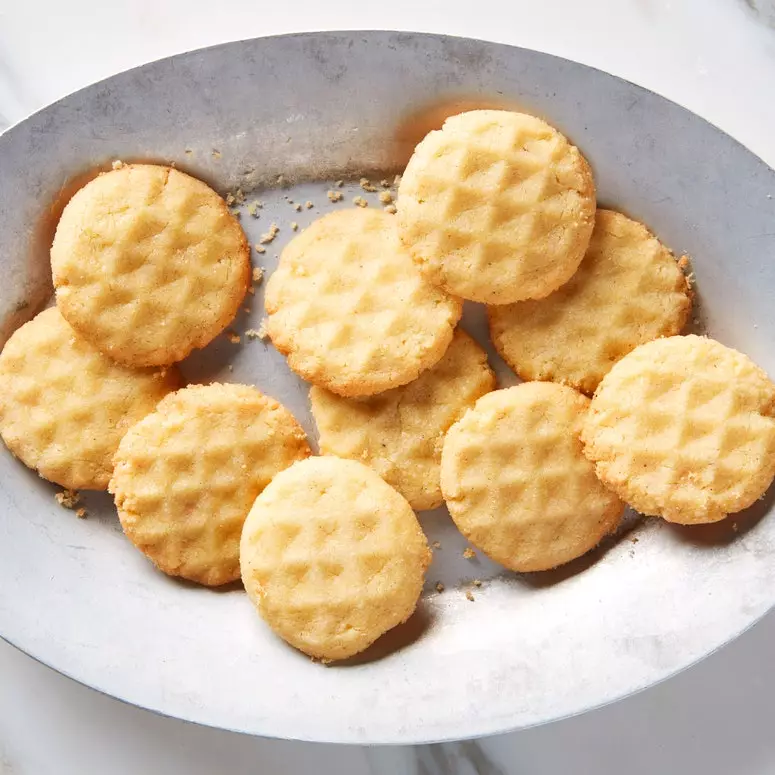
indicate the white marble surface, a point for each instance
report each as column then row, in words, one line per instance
column 716, row 57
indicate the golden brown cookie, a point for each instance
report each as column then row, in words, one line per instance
column 400, row 432
column 187, row 475
column 516, row 482
column 496, row 207
column 350, row 310
column 332, row 557
column 64, row 406
column 627, row 291
column 684, row 428
column 149, row 264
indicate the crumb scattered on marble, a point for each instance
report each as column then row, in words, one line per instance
column 258, row 274
column 246, row 310
column 236, row 197
column 263, row 334
column 294, row 226
column 260, row 248
column 477, row 582
column 253, row 208
column 634, row 539
column 385, row 197
column 683, row 262
column 81, row 513
column 470, row 595
column 235, row 212
column 359, row 201
column 308, row 205
column 367, row 185
column 268, row 236
column 297, row 207
column 233, row 337
column 338, row 183
column 385, row 183
column 117, row 164
column 436, row 544
column 335, row 196
column 188, row 152
column 280, row 180
column 251, row 290
column 68, row 499
column 216, row 154
column 439, row 586
column 469, row 553
column 390, row 209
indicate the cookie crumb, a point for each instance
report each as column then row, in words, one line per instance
column 280, row 180
column 338, row 183
column 254, row 207
column 236, row 197
column 359, row 201
column 366, row 185
column 233, row 337
column 260, row 248
column 439, row 586
column 188, row 152
column 297, row 207
column 246, row 310
column 308, row 205
column 68, row 499
column 216, row 154
column 258, row 274
column 385, row 183
column 470, row 595
column 268, row 236
column 390, row 209
column 436, row 544
column 251, row 290
column 469, row 553
column 80, row 513
column 477, row 582
column 335, row 196
column 294, row 226
column 385, row 197
column 117, row 164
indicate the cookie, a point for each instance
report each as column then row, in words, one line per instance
column 64, row 406
column 187, row 475
column 496, row 207
column 516, row 482
column 148, row 264
column 332, row 557
column 684, row 428
column 399, row 433
column 351, row 311
column 627, row 291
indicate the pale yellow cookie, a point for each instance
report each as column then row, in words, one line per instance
column 627, row 291
column 400, row 432
column 149, row 264
column 684, row 428
column 350, row 310
column 516, row 482
column 64, row 406
column 187, row 475
column 496, row 207
column 332, row 557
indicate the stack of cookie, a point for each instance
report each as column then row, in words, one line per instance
column 216, row 482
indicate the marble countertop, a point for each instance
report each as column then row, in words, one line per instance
column 716, row 57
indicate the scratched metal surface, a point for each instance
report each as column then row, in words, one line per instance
column 529, row 649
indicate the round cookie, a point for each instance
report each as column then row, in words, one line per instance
column 400, row 432
column 496, row 207
column 64, row 406
column 516, row 482
column 332, row 557
column 186, row 476
column 684, row 428
column 627, row 291
column 149, row 264
column 351, row 311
